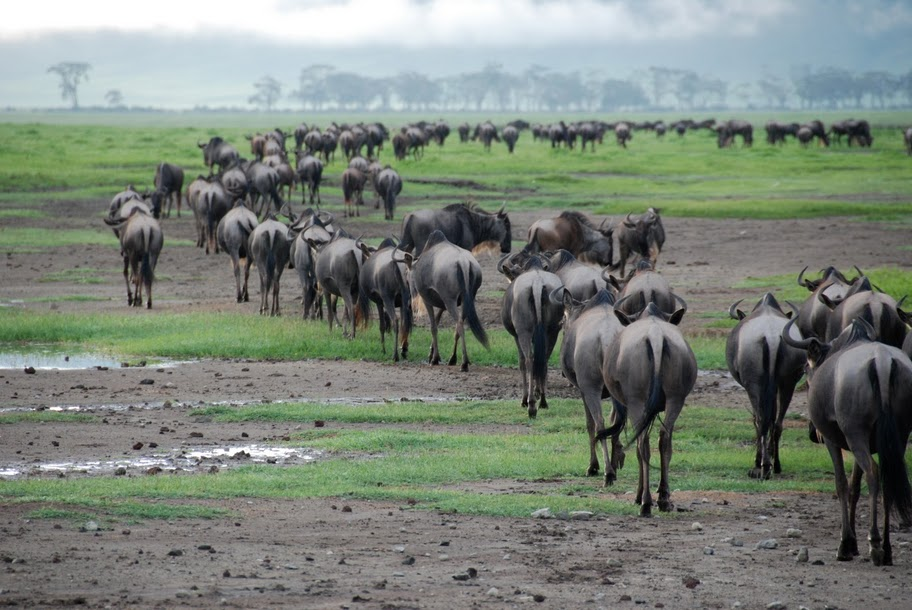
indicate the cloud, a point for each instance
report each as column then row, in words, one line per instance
column 408, row 23
column 877, row 17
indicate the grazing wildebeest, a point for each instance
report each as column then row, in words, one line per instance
column 462, row 224
column 400, row 146
column 814, row 313
column 384, row 281
column 573, row 232
column 649, row 369
column 268, row 246
column 487, row 133
column 310, row 173
column 727, row 131
column 263, row 187
column 375, row 135
column 389, row 185
column 328, row 145
column 768, row 369
column 440, row 130
column 141, row 241
column 338, row 269
column 643, row 235
column 168, row 181
column 510, row 135
column 623, row 133
column 212, row 205
column 860, row 400
column 218, row 152
column 310, row 228
column 464, row 131
column 233, row 231
column 880, row 310
column 580, row 280
column 353, row 181
column 257, row 143
column 299, row 133
column 533, row 318
column 590, row 326
column 644, row 286
column 818, row 131
column 907, row 137
column 447, row 277
column 776, row 132
column 128, row 194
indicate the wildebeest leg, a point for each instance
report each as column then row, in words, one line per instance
column 434, row 356
column 785, row 398
column 137, row 281
column 276, row 310
column 331, row 303
column 524, row 369
column 126, row 274
column 454, row 312
column 592, row 403
column 848, row 545
column 865, row 462
column 644, row 496
column 665, row 452
column 236, row 266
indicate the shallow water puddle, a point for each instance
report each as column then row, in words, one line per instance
column 193, row 459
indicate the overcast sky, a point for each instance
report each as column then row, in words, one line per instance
column 181, row 53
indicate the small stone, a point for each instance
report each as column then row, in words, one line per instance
column 802, row 555
column 793, row 532
column 770, row 543
column 120, row 471
column 581, row 515
column 690, row 582
column 543, row 513
column 90, row 526
column 137, row 446
column 696, row 526
column 175, row 553
column 146, row 382
column 776, row 606
column 538, row 597
column 708, row 550
column 400, row 548
column 493, row 592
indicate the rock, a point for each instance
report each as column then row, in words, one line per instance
column 776, row 606
column 770, row 543
column 690, row 582
column 90, row 526
column 137, row 446
column 708, row 550
column 543, row 513
column 146, row 381
column 581, row 515
column 29, row 370
column 493, row 592
column 793, row 532
column 120, row 471
column 802, row 555
column 696, row 526
column 175, row 553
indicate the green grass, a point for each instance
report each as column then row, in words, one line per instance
column 38, row 417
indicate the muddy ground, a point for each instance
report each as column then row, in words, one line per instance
column 339, row 553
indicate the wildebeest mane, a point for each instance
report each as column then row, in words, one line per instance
column 576, row 217
column 601, row 298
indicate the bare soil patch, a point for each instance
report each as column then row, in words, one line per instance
column 338, row 553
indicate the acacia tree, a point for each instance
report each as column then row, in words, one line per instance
column 268, row 91
column 114, row 98
column 71, row 73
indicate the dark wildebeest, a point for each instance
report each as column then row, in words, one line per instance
column 907, row 138
column 727, row 131
column 573, row 232
column 644, row 286
column 487, row 133
column 510, row 135
column 233, row 231
column 310, row 228
column 338, row 269
column 589, row 328
column 375, row 135
column 649, row 369
column 643, row 235
column 880, row 310
column 814, row 314
column 218, row 152
column 463, row 224
column 389, row 185
column 589, row 134
column 776, row 132
column 768, row 369
column 212, row 205
column 169, row 181
column 299, row 133
column 859, row 132
column 860, row 400
column 257, row 143
column 464, row 131
column 263, row 187
column 385, row 282
column 141, row 241
column 310, row 173
column 623, row 133
column 268, row 246
column 440, row 129
column 129, row 193
column 400, row 146
column 447, row 277
column 580, row 280
column 353, row 181
column 819, row 131
column 533, row 318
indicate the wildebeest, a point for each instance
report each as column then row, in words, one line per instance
column 573, row 232
column 727, row 131
column 268, row 246
column 644, row 286
column 218, row 152
column 121, row 198
column 643, row 234
column 376, row 133
column 310, row 228
column 510, row 135
column 212, row 204
column 447, row 277
column 440, row 130
column 464, row 130
column 141, row 241
column 169, row 181
column 580, row 280
column 814, row 313
column 389, row 185
column 263, row 186
column 880, row 310
column 623, row 133
column 533, row 317
column 384, row 281
column 589, row 328
column 768, row 369
column 233, row 231
column 776, row 132
column 487, row 133
column 353, row 181
column 907, row 138
column 860, row 400
column 338, row 269
column 257, row 142
column 310, row 173
column 649, row 369
column 463, row 224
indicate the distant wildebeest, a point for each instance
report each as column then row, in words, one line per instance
column 589, row 133
column 400, row 146
column 257, row 142
column 353, row 182
column 141, row 241
column 649, row 369
column 907, row 137
column 263, row 186
column 338, row 269
column 463, row 224
column 218, row 152
column 580, row 280
column 329, row 144
column 643, row 235
column 389, row 185
column 776, row 132
column 310, row 173
column 532, row 311
column 233, row 232
column 464, row 130
column 623, row 133
column 727, row 131
column 857, row 131
column 129, row 193
column 447, row 277
column 310, row 228
column 768, row 369
column 860, row 400
column 590, row 326
column 168, row 181
column 510, row 135
column 212, row 204
column 440, row 130
column 573, row 232
column 268, row 246
column 487, row 133
column 384, row 281
column 375, row 135
column 814, row 314
column 299, row 132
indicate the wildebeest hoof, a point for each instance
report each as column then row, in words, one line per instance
column 465, row 367
column 453, row 361
column 610, row 478
column 592, row 471
column 759, row 473
column 666, row 506
column 646, row 510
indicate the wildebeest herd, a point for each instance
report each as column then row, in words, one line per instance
column 620, row 332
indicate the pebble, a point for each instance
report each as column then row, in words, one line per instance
column 581, row 515
column 802, row 555
column 770, row 543
column 696, row 526
column 708, row 550
column 543, row 513
column 793, row 532
column 493, row 592
column 776, row 606
column 90, row 526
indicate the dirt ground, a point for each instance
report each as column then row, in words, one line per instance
column 339, row 553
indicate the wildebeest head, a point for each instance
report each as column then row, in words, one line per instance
column 818, row 351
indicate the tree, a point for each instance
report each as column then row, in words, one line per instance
column 114, row 98
column 268, row 91
column 312, row 86
column 71, row 73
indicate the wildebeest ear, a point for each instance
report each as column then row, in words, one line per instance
column 817, row 352
column 678, row 315
column 622, row 317
column 830, row 304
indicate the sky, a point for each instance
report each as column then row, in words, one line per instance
column 180, row 53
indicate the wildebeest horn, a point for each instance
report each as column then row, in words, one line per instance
column 733, row 309
column 794, row 308
column 682, row 302
column 901, row 301
column 501, row 262
column 860, row 272
column 803, row 344
column 801, row 280
column 627, row 221
column 503, row 206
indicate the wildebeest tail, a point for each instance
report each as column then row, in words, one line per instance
column 406, row 308
column 620, row 420
column 894, row 477
column 146, row 265
column 270, row 260
column 767, row 396
column 539, row 333
column 361, row 317
column 468, row 307
column 655, row 402
column 363, row 309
